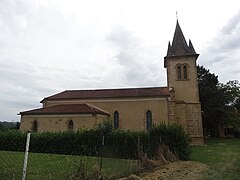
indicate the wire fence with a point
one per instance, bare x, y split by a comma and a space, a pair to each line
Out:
43, 160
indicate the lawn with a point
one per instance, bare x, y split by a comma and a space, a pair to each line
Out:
222, 156
52, 166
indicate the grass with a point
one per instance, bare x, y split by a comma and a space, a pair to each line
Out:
52, 166
222, 156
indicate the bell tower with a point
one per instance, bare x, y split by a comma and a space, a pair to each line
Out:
184, 105
180, 63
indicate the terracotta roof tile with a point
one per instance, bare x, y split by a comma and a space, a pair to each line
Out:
65, 109
110, 93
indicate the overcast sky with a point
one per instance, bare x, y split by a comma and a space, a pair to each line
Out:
48, 46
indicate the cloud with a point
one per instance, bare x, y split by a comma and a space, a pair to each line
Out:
136, 62
50, 46
222, 53
232, 25
27, 29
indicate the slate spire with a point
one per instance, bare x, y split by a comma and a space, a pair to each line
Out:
169, 48
191, 48
179, 45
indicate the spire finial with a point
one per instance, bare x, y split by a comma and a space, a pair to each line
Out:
176, 16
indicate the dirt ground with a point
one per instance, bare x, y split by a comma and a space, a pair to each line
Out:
183, 170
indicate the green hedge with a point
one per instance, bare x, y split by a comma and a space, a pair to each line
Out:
12, 140
117, 143
174, 137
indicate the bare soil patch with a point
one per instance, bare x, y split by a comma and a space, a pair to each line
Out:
187, 170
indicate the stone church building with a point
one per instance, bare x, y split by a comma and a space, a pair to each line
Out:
129, 108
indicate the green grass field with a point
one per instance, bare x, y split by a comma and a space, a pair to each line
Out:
222, 156
52, 166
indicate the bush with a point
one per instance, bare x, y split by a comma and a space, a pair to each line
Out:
12, 140
236, 132
123, 144
105, 127
172, 135
117, 143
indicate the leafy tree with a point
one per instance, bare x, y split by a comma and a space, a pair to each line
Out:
17, 125
231, 91
211, 101
237, 105
220, 102
2, 127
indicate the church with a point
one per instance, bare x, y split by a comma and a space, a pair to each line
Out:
129, 108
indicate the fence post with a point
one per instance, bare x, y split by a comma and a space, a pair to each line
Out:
138, 145
26, 156
101, 162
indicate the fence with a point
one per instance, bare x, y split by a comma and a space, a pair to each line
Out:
51, 157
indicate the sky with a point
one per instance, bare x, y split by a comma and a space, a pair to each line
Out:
48, 46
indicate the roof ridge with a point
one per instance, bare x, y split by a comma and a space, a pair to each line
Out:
113, 89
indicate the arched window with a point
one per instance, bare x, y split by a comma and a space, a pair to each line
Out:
179, 73
35, 126
149, 120
184, 72
70, 125
116, 120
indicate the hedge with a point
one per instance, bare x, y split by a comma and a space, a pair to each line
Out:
117, 143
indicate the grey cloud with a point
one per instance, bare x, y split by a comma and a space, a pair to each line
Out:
20, 90
228, 37
131, 56
42, 52
232, 25
222, 53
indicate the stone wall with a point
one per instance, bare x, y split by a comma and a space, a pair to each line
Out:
189, 116
185, 89
56, 123
132, 111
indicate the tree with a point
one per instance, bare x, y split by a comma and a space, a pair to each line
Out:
237, 105
2, 128
211, 101
220, 102
231, 91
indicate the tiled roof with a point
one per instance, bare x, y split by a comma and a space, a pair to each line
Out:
110, 93
65, 109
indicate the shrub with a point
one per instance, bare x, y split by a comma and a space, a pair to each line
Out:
105, 127
117, 143
236, 132
12, 140
172, 135
123, 144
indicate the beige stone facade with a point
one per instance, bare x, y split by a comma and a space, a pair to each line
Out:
56, 123
132, 112
129, 109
